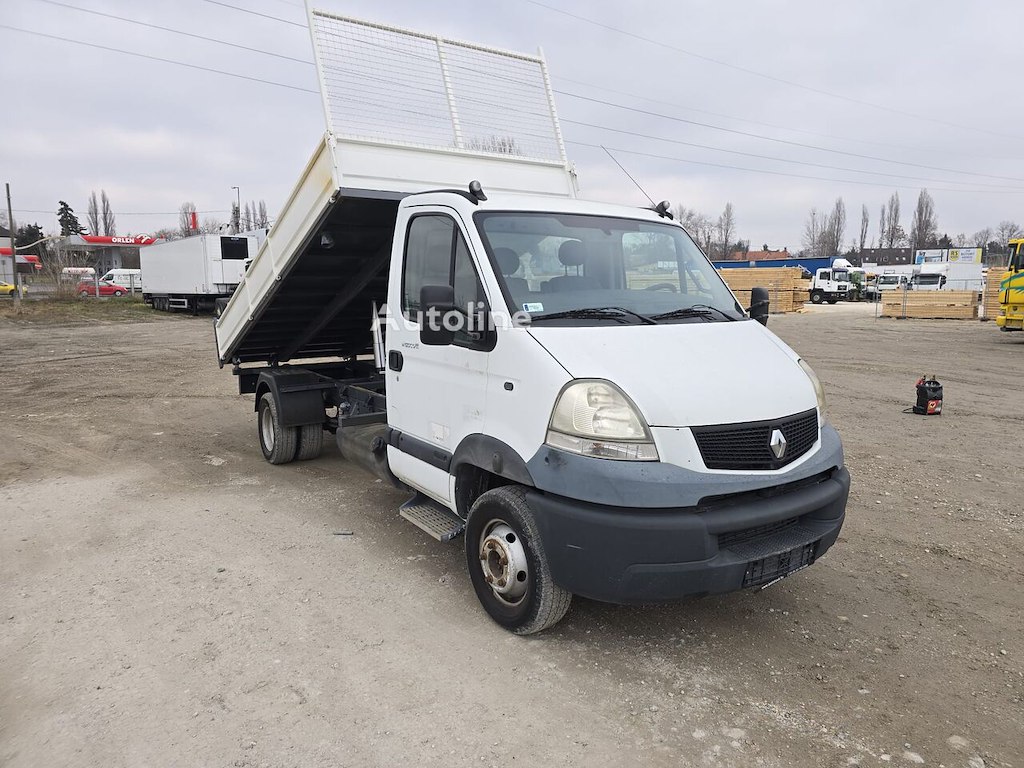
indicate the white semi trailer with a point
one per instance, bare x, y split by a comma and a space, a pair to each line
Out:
192, 273
587, 432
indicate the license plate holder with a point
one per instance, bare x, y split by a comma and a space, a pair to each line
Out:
768, 570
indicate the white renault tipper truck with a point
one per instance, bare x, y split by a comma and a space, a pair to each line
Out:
435, 296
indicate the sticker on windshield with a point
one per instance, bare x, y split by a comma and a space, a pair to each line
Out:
533, 307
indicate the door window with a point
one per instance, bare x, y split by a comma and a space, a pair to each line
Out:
436, 254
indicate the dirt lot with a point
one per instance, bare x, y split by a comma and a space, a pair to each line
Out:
168, 598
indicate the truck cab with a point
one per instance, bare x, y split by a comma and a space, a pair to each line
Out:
830, 284
563, 385
1011, 289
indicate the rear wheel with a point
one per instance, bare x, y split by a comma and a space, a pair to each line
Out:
83, 294
277, 443
508, 566
311, 442
13, 292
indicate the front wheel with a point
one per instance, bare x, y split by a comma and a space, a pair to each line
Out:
817, 297
508, 566
277, 442
83, 294
117, 293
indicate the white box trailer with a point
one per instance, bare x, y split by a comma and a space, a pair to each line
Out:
192, 273
435, 297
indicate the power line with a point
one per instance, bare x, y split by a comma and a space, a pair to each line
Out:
158, 58
782, 141
764, 75
832, 137
257, 13
778, 173
584, 98
176, 31
994, 187
570, 94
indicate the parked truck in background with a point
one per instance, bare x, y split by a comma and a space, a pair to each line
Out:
830, 284
192, 273
437, 299
1011, 289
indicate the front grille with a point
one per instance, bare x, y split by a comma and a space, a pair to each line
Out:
736, 537
748, 446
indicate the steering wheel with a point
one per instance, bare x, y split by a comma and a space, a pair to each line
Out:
662, 287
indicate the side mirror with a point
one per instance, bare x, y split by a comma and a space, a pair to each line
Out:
759, 305
435, 302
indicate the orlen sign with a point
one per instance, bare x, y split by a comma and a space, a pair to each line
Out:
132, 240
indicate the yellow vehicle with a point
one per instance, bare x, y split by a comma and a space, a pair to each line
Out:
6, 289
1011, 289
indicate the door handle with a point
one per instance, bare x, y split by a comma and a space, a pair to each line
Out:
395, 360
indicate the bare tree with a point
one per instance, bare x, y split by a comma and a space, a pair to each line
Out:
833, 231
92, 216
185, 218
863, 226
211, 226
982, 237
699, 226
167, 233
726, 229
893, 234
262, 220
924, 228
236, 214
1008, 230
109, 225
812, 233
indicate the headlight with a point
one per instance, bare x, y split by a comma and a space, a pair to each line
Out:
819, 392
594, 418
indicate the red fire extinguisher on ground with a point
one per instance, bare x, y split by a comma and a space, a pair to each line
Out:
929, 397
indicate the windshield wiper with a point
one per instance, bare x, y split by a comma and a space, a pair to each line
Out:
595, 313
703, 311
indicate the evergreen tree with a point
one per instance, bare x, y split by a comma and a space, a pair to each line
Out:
68, 221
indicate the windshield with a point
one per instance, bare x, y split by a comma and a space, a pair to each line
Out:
888, 280
928, 279
575, 265
840, 275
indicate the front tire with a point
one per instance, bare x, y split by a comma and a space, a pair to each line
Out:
117, 293
277, 443
508, 566
83, 294
817, 297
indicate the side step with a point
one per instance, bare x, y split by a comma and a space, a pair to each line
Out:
427, 515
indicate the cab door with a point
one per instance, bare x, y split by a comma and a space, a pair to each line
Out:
436, 395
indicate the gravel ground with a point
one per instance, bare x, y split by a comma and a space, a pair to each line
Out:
168, 598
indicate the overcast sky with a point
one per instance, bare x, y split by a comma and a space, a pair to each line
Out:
924, 94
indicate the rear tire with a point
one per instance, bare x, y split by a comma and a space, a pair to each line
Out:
277, 443
508, 566
83, 294
311, 442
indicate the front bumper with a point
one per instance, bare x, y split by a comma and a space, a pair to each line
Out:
620, 554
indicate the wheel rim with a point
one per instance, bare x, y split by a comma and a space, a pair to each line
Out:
504, 563
267, 429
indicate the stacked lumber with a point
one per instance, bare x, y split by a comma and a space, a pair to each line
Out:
787, 288
990, 301
932, 305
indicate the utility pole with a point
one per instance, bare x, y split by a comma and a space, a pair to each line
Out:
14, 250
238, 209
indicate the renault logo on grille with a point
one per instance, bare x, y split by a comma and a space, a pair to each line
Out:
778, 443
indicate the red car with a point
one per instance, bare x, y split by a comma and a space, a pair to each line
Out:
88, 288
